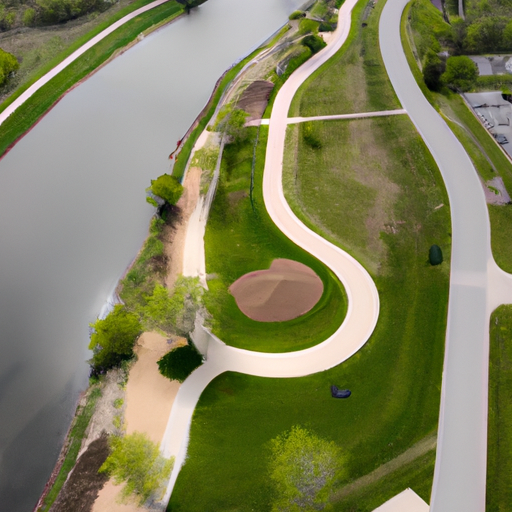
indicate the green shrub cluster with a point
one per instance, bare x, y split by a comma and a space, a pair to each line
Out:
295, 15
166, 187
435, 255
310, 136
113, 338
179, 363
307, 26
314, 43
8, 65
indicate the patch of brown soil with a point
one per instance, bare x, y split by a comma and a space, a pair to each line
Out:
286, 290
174, 235
254, 99
84, 482
149, 395
109, 500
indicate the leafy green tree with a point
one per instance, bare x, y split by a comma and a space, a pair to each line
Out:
461, 73
486, 34
136, 460
314, 43
29, 17
8, 64
231, 122
168, 188
435, 255
303, 469
432, 70
179, 363
113, 338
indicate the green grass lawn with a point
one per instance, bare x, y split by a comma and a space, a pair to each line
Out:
395, 378
499, 447
26, 115
240, 238
354, 80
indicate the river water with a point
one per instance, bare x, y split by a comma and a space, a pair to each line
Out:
73, 215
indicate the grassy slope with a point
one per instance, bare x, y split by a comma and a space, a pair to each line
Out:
240, 239
352, 81
43, 99
395, 378
453, 108
499, 463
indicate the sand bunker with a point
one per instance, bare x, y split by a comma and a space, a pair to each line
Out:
286, 290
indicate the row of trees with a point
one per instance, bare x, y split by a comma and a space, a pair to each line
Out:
459, 73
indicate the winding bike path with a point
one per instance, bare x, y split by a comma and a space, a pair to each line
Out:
363, 299
477, 287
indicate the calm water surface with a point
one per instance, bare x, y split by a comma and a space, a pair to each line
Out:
73, 215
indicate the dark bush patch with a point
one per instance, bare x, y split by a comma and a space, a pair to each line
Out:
435, 255
179, 363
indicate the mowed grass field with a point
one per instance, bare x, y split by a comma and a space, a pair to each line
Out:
240, 238
395, 379
499, 447
355, 79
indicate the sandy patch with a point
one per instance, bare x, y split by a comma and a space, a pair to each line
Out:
286, 290
148, 401
175, 235
149, 395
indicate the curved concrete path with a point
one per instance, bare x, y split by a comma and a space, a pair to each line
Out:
363, 299
71, 58
477, 287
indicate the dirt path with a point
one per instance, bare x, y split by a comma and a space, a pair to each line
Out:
415, 451
175, 236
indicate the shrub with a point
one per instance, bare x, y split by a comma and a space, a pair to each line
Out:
136, 460
295, 15
326, 27
310, 137
8, 64
29, 17
168, 188
435, 255
461, 73
314, 43
179, 363
308, 26
113, 338
432, 70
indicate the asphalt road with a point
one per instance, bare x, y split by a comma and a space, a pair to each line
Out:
477, 286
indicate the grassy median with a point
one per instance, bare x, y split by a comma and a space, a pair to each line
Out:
240, 238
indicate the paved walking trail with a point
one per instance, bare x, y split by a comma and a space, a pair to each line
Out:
363, 299
477, 287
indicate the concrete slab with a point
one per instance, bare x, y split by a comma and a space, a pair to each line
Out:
406, 501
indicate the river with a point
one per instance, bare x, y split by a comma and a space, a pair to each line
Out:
73, 215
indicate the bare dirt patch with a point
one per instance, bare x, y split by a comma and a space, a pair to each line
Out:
495, 191
254, 99
286, 290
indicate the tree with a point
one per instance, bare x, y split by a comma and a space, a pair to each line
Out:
461, 73
432, 70
179, 363
137, 461
303, 468
113, 338
232, 123
8, 64
486, 34
435, 255
168, 188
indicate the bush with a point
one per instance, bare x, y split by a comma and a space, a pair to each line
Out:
461, 73
168, 188
295, 15
29, 17
113, 338
326, 27
308, 26
136, 460
435, 255
433, 68
310, 137
179, 363
8, 64
314, 43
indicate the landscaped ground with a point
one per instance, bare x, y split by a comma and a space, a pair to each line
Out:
395, 378
286, 290
241, 238
499, 464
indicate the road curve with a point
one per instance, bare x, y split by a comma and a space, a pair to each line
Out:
363, 299
477, 286
71, 58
